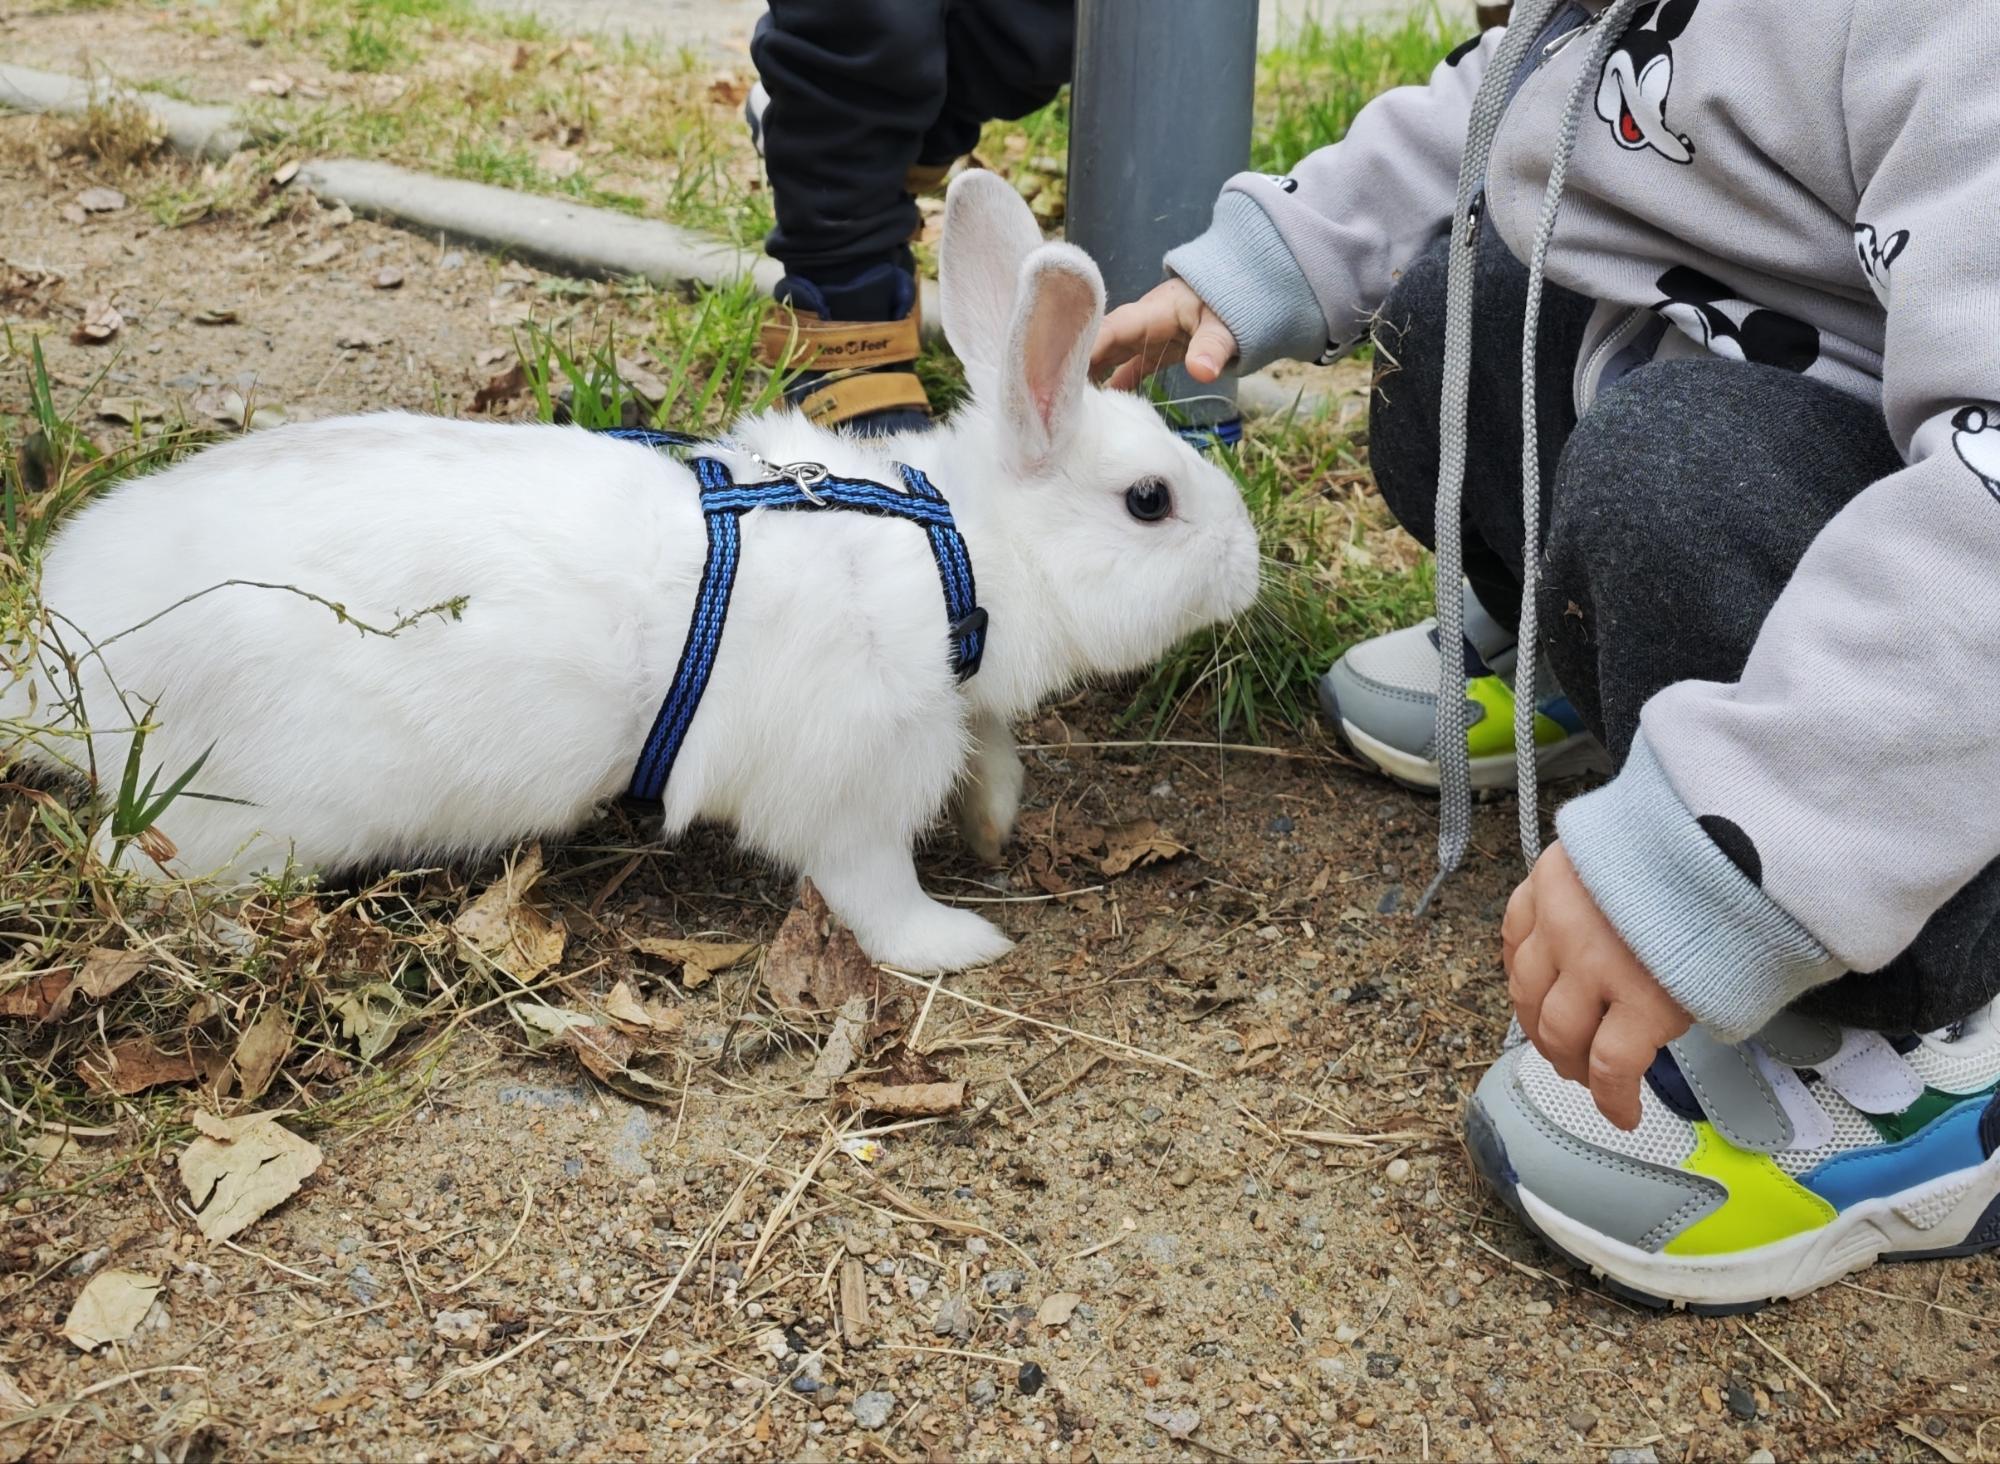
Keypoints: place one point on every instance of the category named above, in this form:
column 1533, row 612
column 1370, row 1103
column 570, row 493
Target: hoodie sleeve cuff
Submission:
column 1243, row 271
column 1724, row 949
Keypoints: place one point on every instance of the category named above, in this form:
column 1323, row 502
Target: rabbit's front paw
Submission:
column 941, row 939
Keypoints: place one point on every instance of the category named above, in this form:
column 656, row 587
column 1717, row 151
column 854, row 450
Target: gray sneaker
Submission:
column 1381, row 697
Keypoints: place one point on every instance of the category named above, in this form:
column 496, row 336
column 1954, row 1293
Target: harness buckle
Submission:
column 966, row 627
column 806, row 477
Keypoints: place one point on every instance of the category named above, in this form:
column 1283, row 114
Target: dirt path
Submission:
column 1285, row 1256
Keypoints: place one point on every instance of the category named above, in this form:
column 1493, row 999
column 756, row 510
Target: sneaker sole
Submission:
column 1748, row 1281
column 1573, row 757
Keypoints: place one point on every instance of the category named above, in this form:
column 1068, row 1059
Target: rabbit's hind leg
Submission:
column 989, row 797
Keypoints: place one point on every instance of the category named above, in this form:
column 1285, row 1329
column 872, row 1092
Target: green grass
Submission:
column 1311, row 85
column 1335, row 571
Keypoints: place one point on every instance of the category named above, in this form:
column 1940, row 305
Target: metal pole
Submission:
column 1159, row 120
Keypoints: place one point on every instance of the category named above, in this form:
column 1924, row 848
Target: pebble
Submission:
column 1391, row 899
column 982, row 1393
column 920, row 1287
column 562, row 1367
column 1282, row 824
column 953, row 1318
column 1346, row 1332
column 1740, row 1402
column 1582, row 1420
column 1163, row 790
column 805, row 1385
column 1002, row 1283
column 1634, row 1456
column 977, row 1246
column 1762, row 1456
column 1031, row 1379
column 885, row 1268
column 1383, row 1364
column 872, row 1410
column 1398, row 1170
column 1149, row 1114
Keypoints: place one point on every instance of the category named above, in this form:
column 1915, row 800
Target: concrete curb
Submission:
column 551, row 232
column 214, row 133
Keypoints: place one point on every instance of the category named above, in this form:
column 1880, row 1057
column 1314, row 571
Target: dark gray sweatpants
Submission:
column 1674, row 512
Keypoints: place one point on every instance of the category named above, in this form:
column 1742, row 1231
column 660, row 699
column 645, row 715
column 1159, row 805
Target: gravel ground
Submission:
column 1205, row 1198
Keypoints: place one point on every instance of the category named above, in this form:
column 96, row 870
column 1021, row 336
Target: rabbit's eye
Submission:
column 1149, row 500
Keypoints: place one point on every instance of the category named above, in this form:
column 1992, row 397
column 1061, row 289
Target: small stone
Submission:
column 388, row 279
column 1181, row 1178
column 1346, row 1332
column 1398, row 1170
column 1582, row 1420
column 1537, row 1309
column 1282, row 824
column 920, row 1287
column 977, row 1246
column 806, row 1385
column 1149, row 1114
column 1740, row 1402
column 1936, row 1427
column 1633, row 1456
column 1002, row 1283
column 646, row 1188
column 460, row 1328
column 1031, row 1379
column 982, row 1393
column 1761, row 1456
column 455, row 259
column 562, row 1367
column 1179, row 1423
column 1365, row 1418
column 1383, row 1364
column 954, row 1318
column 872, row 1410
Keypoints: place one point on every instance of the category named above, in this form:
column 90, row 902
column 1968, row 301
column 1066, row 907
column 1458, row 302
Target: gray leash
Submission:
column 1454, row 757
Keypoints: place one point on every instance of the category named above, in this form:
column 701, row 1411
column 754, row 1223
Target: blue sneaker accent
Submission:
column 1944, row 1146
column 1670, row 1086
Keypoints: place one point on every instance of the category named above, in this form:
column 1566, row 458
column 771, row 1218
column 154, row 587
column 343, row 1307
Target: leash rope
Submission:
column 805, row 486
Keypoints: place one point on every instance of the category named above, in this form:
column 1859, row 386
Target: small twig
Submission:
column 1793, row 1367
column 480, row 1369
column 527, row 1204
column 1943, row 1451
column 242, row 1250
column 791, row 1197
column 444, row 609
column 665, row 1298
column 949, row 1352
column 1125, row 1047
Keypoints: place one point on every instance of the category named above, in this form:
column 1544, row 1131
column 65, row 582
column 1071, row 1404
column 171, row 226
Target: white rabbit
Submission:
column 833, row 729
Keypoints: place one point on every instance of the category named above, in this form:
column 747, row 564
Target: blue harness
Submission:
column 723, row 504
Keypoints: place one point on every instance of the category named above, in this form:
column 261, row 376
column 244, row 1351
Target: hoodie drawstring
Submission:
column 1496, row 90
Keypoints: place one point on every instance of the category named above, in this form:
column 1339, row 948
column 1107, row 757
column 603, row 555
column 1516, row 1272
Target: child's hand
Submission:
column 1583, row 998
column 1167, row 324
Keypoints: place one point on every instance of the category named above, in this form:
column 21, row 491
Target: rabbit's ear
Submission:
column 1048, row 352
column 988, row 232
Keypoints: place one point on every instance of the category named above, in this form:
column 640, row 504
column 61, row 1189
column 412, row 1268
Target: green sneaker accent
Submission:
column 1930, row 1105
column 1493, row 733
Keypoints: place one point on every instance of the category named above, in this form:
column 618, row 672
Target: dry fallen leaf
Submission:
column 101, row 321
column 502, row 387
column 129, row 409
column 605, row 1051
column 503, row 928
column 815, row 963
column 1138, row 843
column 1179, row 1423
column 134, row 1065
column 642, row 383
column 843, row 1044
column 36, row 998
column 558, row 162
column 13, row 1403
column 853, row 1301
column 105, row 971
column 100, row 200
column 909, row 1100
column 726, row 89
column 241, row 1168
column 371, row 1016
column 110, row 1308
column 261, row 1051
column 1056, row 1308
column 700, row 960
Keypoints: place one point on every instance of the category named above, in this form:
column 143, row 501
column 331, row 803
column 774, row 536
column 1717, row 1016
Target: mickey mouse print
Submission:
column 1976, row 435
column 1632, row 91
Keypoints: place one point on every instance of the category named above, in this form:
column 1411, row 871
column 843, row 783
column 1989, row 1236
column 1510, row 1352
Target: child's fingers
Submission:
column 1566, row 1023
column 1126, row 332
column 1211, row 349
column 1519, row 919
column 1619, row 1056
column 1145, row 362
column 1531, row 971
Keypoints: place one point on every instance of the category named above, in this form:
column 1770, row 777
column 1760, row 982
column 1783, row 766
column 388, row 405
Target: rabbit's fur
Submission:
column 833, row 730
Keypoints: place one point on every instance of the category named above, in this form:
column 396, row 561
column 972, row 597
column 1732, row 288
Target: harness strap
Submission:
column 723, row 503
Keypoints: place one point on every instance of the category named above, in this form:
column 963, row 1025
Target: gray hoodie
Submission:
column 1814, row 185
